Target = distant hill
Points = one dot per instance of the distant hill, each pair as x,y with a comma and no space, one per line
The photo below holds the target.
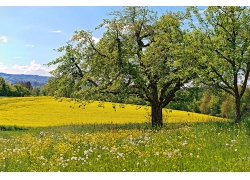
35,80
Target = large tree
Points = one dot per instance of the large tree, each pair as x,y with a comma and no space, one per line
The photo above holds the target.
222,42
140,54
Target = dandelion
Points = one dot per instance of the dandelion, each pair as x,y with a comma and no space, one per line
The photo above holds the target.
191,154
145,160
227,144
236,150
157,154
198,156
99,156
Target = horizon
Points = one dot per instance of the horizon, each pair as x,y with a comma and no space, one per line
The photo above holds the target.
24,74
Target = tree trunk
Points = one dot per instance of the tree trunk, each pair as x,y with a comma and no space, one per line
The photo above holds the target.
156,115
237,117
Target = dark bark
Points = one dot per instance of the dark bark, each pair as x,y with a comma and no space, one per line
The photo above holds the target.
237,117
157,120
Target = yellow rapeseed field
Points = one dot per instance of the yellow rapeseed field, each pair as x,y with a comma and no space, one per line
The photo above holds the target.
46,111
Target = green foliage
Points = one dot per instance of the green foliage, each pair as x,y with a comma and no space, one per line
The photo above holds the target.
36,91
49,89
21,91
15,90
187,99
204,107
221,39
11,128
227,108
140,55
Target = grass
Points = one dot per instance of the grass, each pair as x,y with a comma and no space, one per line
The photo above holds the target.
187,146
194,147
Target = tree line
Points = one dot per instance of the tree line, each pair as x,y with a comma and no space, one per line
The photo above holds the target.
207,101
19,89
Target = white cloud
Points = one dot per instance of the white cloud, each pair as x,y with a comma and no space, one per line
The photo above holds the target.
57,31
96,39
4,39
33,68
28,45
2,67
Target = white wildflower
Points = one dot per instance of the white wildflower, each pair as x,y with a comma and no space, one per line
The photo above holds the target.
120,154
42,133
86,152
184,143
73,158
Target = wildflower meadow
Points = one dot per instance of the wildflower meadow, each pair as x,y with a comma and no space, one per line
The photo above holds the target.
110,146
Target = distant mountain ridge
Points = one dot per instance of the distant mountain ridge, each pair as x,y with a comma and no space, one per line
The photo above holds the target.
35,80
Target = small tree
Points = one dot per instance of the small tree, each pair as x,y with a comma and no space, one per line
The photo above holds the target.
205,100
227,107
140,54
3,88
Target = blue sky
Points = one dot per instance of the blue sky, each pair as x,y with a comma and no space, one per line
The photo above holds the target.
29,33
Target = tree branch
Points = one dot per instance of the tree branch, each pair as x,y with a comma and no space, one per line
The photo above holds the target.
221,77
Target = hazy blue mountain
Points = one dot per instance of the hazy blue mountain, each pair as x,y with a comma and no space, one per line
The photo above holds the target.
35,80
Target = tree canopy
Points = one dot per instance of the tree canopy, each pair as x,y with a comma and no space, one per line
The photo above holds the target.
140,54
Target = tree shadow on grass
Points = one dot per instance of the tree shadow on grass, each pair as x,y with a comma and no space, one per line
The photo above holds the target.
12,128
